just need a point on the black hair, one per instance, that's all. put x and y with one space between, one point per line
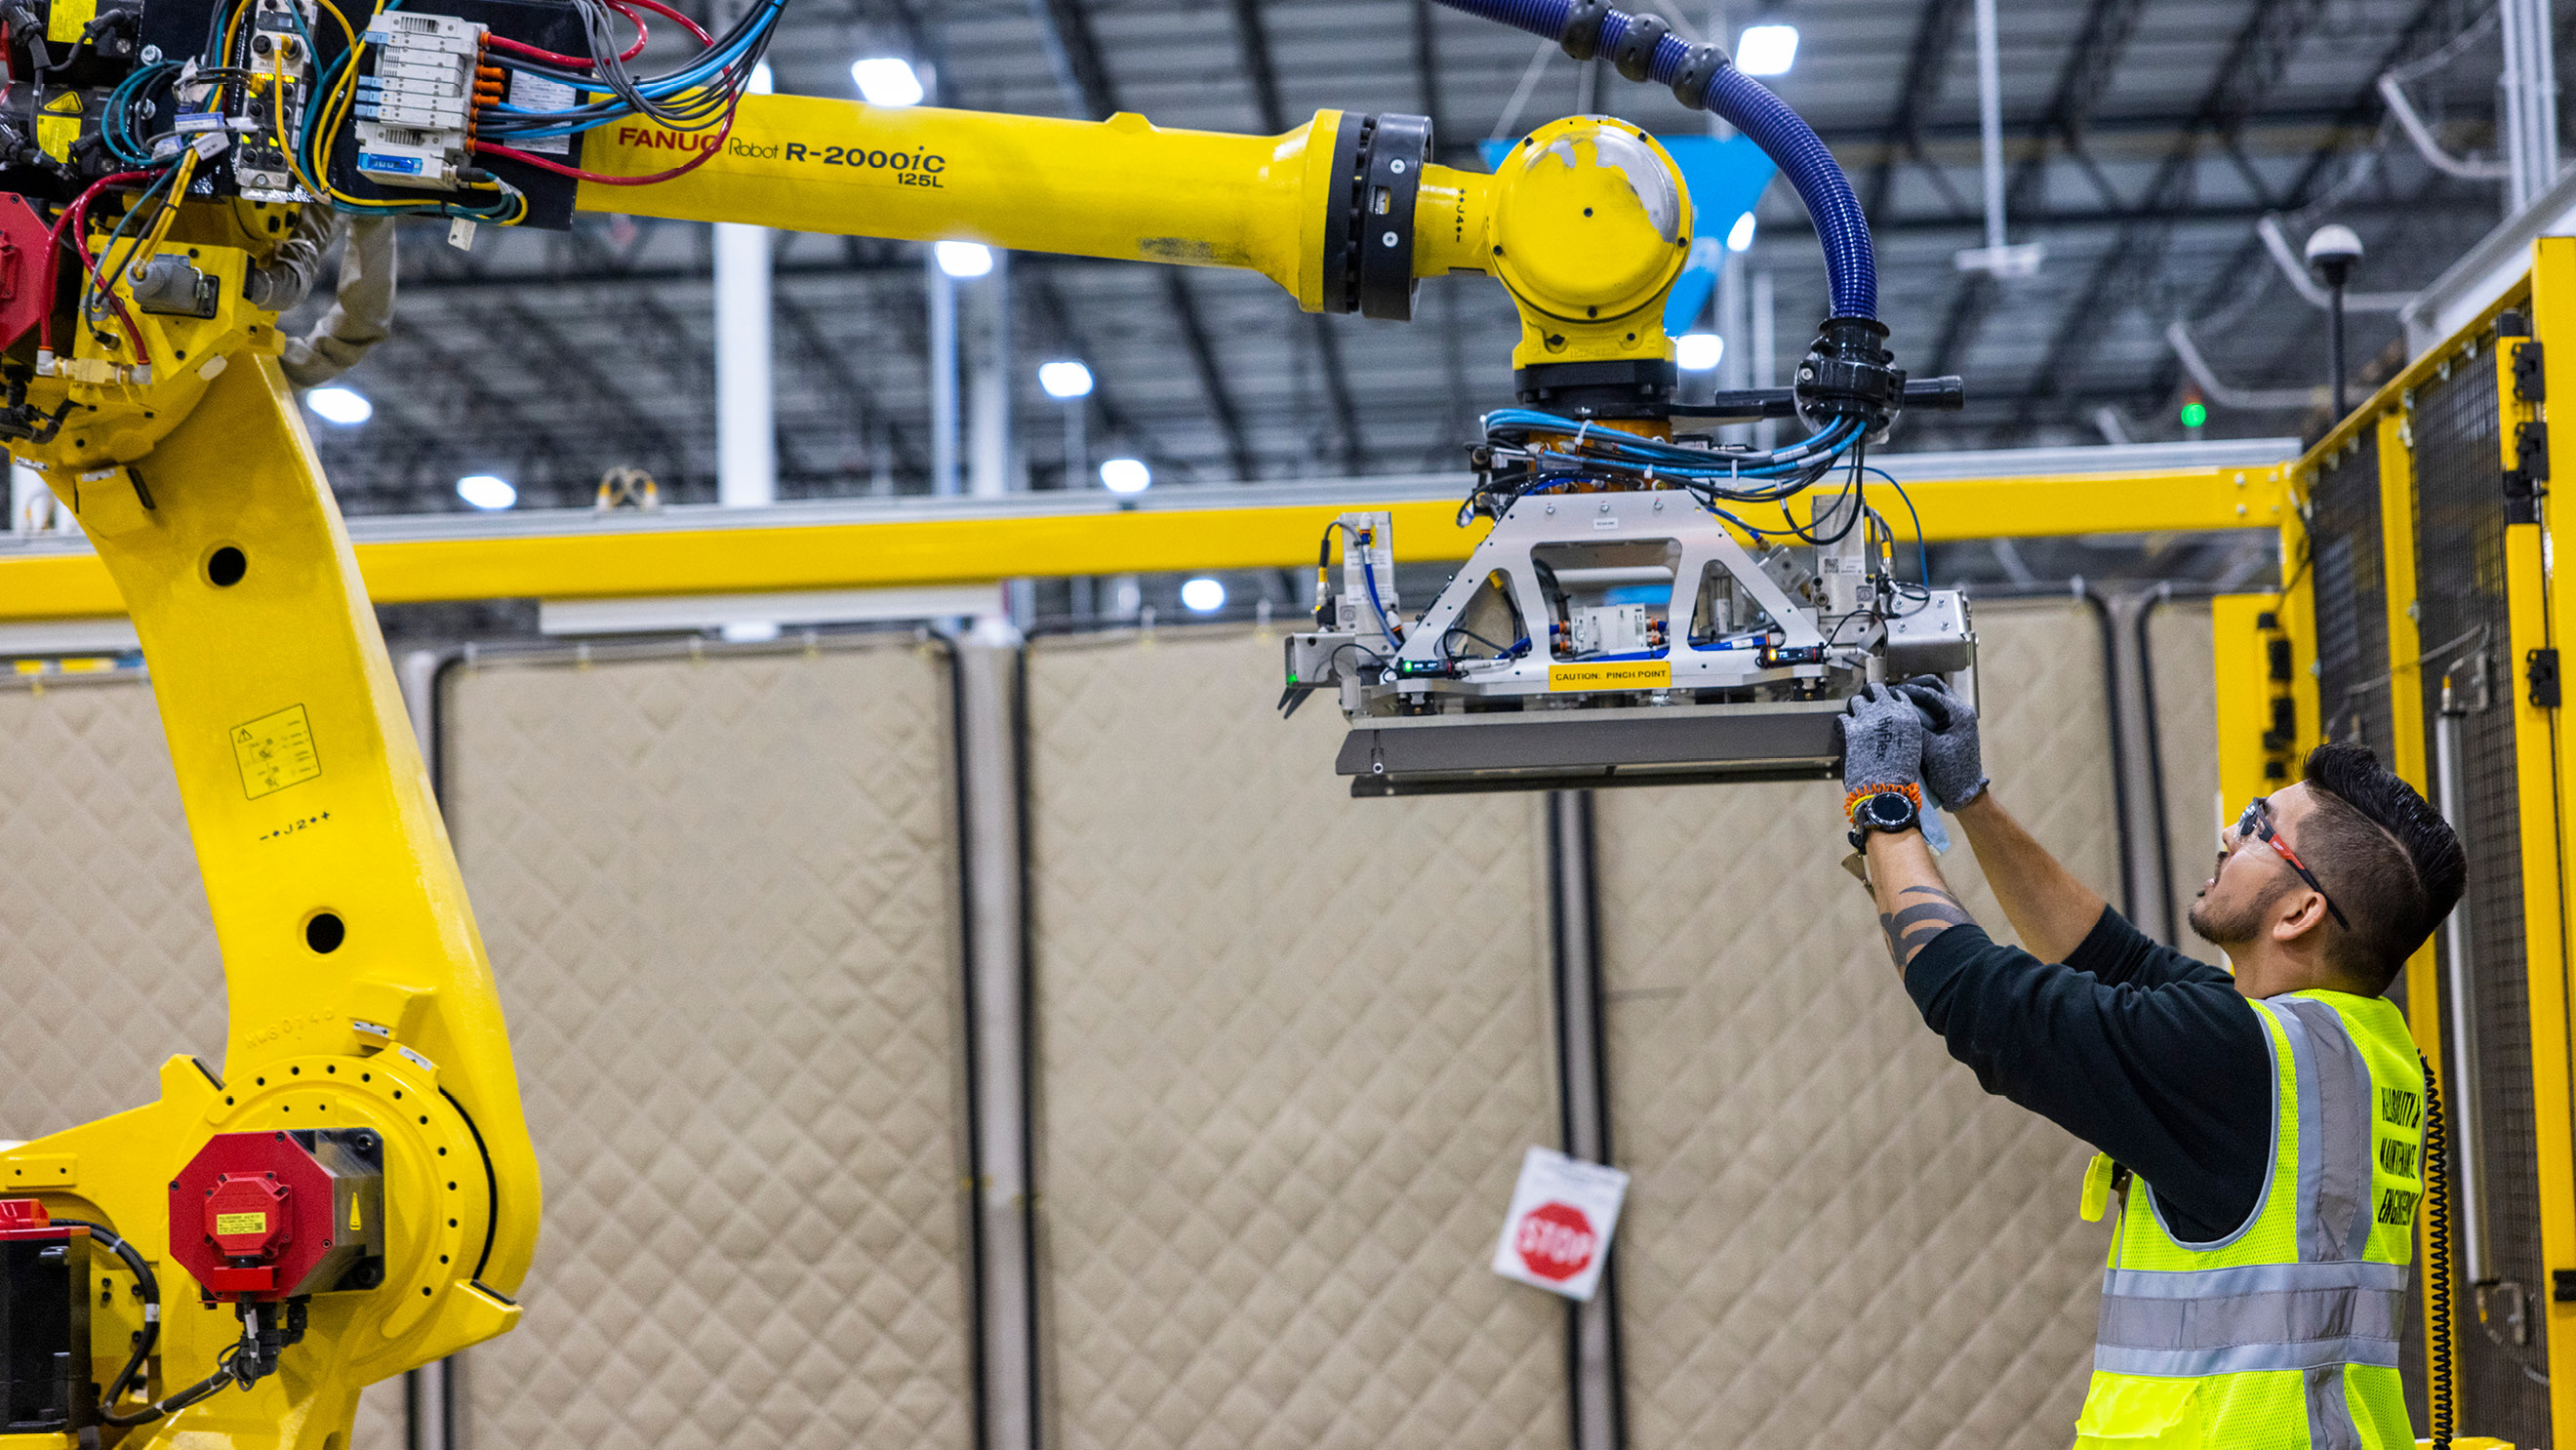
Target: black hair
2388 858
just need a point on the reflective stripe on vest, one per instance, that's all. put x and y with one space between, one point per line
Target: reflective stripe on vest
2329 1310
2264 1316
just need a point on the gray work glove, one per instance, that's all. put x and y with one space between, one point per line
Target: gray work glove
1882 739
1952 767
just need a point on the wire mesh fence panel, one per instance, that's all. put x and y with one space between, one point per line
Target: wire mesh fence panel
2346 555
2460 572
720 897
104 938
1291 1049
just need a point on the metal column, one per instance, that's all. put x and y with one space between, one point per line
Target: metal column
998 1044
942 298
2527 93
1595 1381
746 399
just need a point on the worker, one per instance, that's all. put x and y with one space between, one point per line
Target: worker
2263 1131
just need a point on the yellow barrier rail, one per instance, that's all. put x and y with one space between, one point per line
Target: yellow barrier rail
591 557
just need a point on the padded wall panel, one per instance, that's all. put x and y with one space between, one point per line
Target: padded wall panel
1292 1048
1834 1239
105 944
2186 683
104 938
720 900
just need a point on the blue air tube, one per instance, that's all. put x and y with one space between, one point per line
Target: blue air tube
1750 107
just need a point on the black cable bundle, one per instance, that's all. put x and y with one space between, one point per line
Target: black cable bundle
2437 1184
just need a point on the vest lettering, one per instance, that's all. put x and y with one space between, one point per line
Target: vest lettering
2397 1206
2396 1158
2400 1108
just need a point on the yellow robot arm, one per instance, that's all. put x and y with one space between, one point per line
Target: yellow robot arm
1587 224
362 1008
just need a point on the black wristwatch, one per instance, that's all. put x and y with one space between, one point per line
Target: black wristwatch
1886 810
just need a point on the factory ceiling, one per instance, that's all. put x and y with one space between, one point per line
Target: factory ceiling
2145 145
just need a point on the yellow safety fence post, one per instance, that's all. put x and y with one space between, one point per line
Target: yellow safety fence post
2540 756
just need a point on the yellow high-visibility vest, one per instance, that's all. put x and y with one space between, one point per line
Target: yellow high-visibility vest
2283 1335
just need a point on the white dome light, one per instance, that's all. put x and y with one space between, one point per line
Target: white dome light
486 491
345 406
1766 50
1065 379
1203 596
963 259
1739 238
1697 352
1125 475
886 80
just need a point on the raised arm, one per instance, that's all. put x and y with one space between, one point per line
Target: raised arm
2048 907
2050 910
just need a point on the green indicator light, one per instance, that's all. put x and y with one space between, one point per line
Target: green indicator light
2194 414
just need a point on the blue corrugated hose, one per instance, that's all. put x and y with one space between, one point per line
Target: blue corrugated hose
1750 107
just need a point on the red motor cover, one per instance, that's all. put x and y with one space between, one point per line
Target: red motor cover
25 293
272 1216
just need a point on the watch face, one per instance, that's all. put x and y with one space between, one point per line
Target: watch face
1888 810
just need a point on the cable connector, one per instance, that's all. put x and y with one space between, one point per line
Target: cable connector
1849 373
1581 36
1634 55
1690 85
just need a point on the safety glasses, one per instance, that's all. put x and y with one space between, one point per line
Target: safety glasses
2256 823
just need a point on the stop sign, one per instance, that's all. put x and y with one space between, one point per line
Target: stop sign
1555 1241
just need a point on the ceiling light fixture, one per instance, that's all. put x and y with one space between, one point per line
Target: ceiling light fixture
1766 50
886 80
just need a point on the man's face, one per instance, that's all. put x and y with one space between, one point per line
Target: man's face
2235 905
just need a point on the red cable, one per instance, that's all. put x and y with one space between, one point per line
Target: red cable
72 217
667 13
559 169
537 53
552 57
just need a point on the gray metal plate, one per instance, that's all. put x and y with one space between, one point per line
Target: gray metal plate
1611 745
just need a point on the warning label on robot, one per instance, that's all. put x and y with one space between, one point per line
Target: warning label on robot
1557 1235
1622 675
275 751
229 1224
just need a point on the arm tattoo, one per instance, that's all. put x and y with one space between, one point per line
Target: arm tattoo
1910 929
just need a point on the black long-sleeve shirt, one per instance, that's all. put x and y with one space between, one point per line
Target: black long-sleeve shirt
2149 1055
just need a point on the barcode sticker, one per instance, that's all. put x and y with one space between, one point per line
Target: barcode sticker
536 93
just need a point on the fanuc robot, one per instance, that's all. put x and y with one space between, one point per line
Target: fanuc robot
354 1193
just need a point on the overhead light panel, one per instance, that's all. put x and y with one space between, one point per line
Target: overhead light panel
486 491
1065 379
963 259
345 406
1739 238
1125 475
1697 352
886 80
1766 50
1203 595
763 81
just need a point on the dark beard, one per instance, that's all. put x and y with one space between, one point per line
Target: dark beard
2233 929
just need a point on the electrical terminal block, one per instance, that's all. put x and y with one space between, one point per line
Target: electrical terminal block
415 107
279 86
